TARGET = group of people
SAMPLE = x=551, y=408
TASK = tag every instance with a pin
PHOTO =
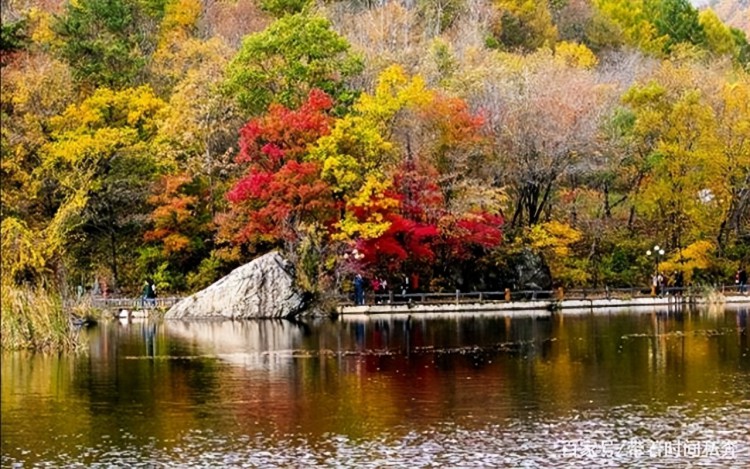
x=659, y=283
x=379, y=286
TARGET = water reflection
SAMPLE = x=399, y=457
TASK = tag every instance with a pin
x=446, y=390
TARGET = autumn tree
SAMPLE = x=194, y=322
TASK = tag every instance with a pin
x=683, y=197
x=718, y=37
x=398, y=162
x=98, y=168
x=544, y=120
x=107, y=42
x=635, y=22
x=733, y=132
x=525, y=25
x=181, y=232
x=282, y=200
x=677, y=21
x=35, y=89
x=282, y=64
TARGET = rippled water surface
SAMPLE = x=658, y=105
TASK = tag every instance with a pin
x=631, y=388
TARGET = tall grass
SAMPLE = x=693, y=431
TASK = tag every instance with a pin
x=34, y=318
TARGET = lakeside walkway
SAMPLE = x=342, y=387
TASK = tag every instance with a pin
x=574, y=302
x=521, y=302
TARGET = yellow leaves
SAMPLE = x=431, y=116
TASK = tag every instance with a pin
x=373, y=200
x=696, y=256
x=181, y=14
x=735, y=119
x=175, y=242
x=38, y=87
x=357, y=146
x=190, y=60
x=394, y=92
x=536, y=20
x=353, y=149
x=636, y=26
x=132, y=107
x=66, y=219
x=27, y=251
x=554, y=241
x=554, y=237
x=575, y=55
x=21, y=250
x=86, y=150
x=106, y=124
x=719, y=38
x=40, y=28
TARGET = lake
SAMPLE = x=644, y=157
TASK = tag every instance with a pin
x=641, y=388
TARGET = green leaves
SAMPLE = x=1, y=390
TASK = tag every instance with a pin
x=291, y=57
x=280, y=8
x=677, y=20
x=106, y=42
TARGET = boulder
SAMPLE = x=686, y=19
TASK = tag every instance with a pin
x=531, y=272
x=262, y=288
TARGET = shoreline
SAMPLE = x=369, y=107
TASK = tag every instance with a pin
x=565, y=307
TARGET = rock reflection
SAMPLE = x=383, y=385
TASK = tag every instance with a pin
x=265, y=345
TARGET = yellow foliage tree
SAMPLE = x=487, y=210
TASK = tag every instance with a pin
x=102, y=158
x=527, y=24
x=575, y=55
x=554, y=242
x=683, y=196
x=358, y=145
x=373, y=200
x=696, y=256
x=719, y=38
x=634, y=22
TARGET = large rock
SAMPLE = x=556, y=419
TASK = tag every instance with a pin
x=262, y=288
x=531, y=272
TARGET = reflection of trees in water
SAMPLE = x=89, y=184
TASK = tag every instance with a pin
x=355, y=378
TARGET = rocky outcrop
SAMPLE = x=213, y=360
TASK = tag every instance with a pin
x=531, y=272
x=262, y=288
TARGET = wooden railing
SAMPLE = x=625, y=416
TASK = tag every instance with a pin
x=458, y=297
x=119, y=303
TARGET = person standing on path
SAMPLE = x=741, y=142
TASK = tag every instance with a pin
x=359, y=290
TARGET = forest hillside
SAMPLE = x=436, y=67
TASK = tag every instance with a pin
x=457, y=143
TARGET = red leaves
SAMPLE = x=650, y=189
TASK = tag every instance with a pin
x=404, y=240
x=283, y=134
x=280, y=191
x=473, y=231
x=404, y=226
x=275, y=203
x=251, y=186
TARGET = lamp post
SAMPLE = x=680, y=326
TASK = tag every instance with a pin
x=658, y=252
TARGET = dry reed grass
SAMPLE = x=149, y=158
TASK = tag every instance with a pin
x=34, y=318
